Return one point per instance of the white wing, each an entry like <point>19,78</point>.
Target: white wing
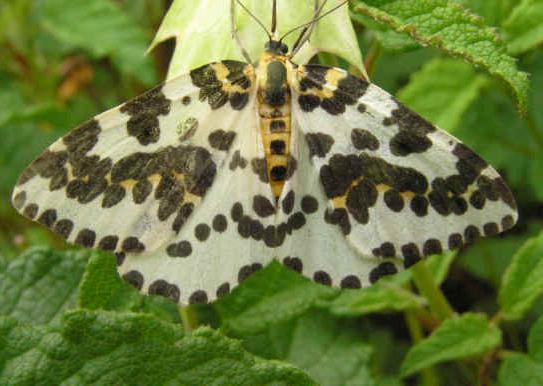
<point>156,180</point>
<point>391,186</point>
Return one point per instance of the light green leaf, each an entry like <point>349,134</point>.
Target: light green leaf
<point>202,32</point>
<point>463,337</point>
<point>101,288</point>
<point>102,29</point>
<point>524,28</point>
<point>331,351</point>
<point>525,370</point>
<point>116,349</point>
<point>522,283</point>
<point>39,285</point>
<point>442,91</point>
<point>382,297</point>
<point>269,296</point>
<point>451,28</point>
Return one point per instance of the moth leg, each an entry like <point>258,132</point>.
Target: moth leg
<point>234,31</point>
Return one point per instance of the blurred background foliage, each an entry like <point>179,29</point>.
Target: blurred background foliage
<point>63,61</point>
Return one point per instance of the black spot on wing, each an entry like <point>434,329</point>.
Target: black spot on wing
<point>221,140</point>
<point>364,140</point>
<point>165,289</point>
<point>144,111</point>
<point>341,171</point>
<point>319,144</point>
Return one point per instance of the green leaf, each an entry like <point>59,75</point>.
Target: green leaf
<point>202,32</point>
<point>451,28</point>
<point>525,370</point>
<point>518,369</point>
<point>494,12</point>
<point>102,29</point>
<point>101,288</point>
<point>39,285</point>
<point>493,130</point>
<point>330,351</point>
<point>382,297</point>
<point>442,91</point>
<point>524,29</point>
<point>466,336</point>
<point>269,296</point>
<point>522,282</point>
<point>108,348</point>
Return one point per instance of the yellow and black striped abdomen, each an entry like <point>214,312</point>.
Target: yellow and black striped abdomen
<point>274,109</point>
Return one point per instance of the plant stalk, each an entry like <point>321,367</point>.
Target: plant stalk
<point>429,289</point>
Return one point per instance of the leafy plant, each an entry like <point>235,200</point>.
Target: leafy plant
<point>470,318</point>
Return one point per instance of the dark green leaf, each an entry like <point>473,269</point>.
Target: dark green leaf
<point>39,285</point>
<point>105,348</point>
<point>447,26</point>
<point>462,337</point>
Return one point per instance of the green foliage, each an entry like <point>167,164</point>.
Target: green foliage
<point>523,28</point>
<point>523,280</point>
<point>521,369</point>
<point>109,348</point>
<point>468,335</point>
<point>67,318</point>
<point>73,23</point>
<point>443,82</point>
<point>38,286</point>
<point>440,23</point>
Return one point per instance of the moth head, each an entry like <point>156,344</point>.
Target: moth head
<point>276,47</point>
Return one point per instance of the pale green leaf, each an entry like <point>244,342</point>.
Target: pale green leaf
<point>101,28</point>
<point>269,296</point>
<point>535,340</point>
<point>451,28</point>
<point>522,283</point>
<point>524,27</point>
<point>39,285</point>
<point>442,91</point>
<point>463,337</point>
<point>202,32</point>
<point>105,348</point>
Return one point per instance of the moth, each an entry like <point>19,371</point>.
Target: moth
<point>205,179</point>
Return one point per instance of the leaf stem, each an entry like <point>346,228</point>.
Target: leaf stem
<point>188,317</point>
<point>428,288</point>
<point>428,376</point>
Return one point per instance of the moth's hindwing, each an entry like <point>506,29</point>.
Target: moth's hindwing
<point>396,187</point>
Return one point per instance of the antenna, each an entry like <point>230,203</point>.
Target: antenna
<point>274,18</point>
<point>315,19</point>
<point>255,18</point>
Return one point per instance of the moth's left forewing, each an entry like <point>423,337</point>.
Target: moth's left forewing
<point>396,185</point>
